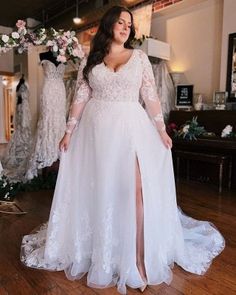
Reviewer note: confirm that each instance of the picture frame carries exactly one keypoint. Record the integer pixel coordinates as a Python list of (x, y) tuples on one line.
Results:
[(231, 69), (220, 99), (184, 96)]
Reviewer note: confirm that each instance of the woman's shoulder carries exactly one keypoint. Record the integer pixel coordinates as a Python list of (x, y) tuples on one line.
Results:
[(142, 56), (140, 52)]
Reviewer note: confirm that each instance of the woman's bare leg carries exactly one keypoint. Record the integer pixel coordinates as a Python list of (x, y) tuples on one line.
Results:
[(140, 225)]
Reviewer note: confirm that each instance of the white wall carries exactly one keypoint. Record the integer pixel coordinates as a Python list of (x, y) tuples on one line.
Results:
[(6, 59), (229, 26), (194, 30)]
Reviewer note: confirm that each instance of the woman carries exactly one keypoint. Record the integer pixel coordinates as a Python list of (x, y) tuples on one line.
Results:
[(114, 213)]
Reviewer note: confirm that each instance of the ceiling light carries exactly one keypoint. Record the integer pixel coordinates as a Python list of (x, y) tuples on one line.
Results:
[(77, 19)]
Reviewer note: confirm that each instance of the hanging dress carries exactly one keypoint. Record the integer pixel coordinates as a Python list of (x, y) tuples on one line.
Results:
[(17, 152)]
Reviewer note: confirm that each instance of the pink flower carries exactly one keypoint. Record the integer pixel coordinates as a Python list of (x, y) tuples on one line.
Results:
[(77, 53), (61, 58), (49, 43), (172, 126), (20, 24), (75, 40), (67, 34)]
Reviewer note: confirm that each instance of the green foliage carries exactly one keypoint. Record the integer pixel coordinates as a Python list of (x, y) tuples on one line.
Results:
[(9, 190), (139, 42), (190, 130)]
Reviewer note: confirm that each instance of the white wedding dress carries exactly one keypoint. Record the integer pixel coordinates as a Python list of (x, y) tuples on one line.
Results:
[(17, 152), (92, 224), (52, 119)]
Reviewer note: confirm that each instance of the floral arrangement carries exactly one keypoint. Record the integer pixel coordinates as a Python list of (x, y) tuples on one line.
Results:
[(228, 132), (7, 189), (139, 41), (189, 130), (64, 44)]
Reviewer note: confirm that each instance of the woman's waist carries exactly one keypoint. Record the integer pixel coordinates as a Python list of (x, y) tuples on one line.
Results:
[(115, 99)]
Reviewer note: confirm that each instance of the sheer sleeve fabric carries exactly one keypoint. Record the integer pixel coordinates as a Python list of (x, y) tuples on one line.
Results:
[(149, 94), (81, 97)]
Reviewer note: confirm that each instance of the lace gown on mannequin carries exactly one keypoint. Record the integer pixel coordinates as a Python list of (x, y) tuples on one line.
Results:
[(18, 149), (92, 224), (52, 119)]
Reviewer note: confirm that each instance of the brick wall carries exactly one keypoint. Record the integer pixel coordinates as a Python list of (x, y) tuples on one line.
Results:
[(159, 4)]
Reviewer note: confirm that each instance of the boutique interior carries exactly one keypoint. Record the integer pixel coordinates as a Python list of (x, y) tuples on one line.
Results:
[(192, 48)]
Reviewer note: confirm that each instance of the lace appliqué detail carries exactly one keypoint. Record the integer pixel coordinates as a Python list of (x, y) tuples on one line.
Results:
[(72, 121), (149, 94), (81, 97)]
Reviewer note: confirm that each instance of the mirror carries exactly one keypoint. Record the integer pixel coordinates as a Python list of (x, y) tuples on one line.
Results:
[(231, 69)]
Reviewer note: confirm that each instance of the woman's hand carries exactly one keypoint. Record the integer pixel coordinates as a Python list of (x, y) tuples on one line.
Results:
[(64, 143), (166, 139)]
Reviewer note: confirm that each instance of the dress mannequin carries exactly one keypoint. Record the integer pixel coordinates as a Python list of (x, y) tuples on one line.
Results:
[(19, 97), (48, 55)]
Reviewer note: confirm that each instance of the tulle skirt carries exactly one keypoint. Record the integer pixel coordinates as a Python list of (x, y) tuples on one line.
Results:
[(92, 224)]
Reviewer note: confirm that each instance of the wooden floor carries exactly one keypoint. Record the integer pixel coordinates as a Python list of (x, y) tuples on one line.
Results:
[(197, 200)]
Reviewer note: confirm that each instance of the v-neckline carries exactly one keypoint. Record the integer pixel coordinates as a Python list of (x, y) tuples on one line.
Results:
[(121, 66)]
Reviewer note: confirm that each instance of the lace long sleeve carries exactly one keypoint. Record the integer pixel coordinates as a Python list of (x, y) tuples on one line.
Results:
[(81, 97), (149, 95)]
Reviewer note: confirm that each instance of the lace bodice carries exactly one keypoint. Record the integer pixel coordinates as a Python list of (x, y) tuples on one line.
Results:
[(51, 71), (132, 80)]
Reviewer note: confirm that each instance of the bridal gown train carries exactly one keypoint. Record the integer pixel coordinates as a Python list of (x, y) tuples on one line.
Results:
[(92, 224)]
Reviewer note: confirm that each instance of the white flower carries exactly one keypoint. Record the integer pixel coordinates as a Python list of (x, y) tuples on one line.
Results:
[(226, 131), (22, 31), (67, 34), (50, 43), (54, 32), (61, 58), (3, 49), (69, 49), (6, 195), (5, 38), (62, 51), (38, 42), (43, 37), (186, 128), (15, 35), (55, 48), (20, 50), (77, 53), (69, 40)]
